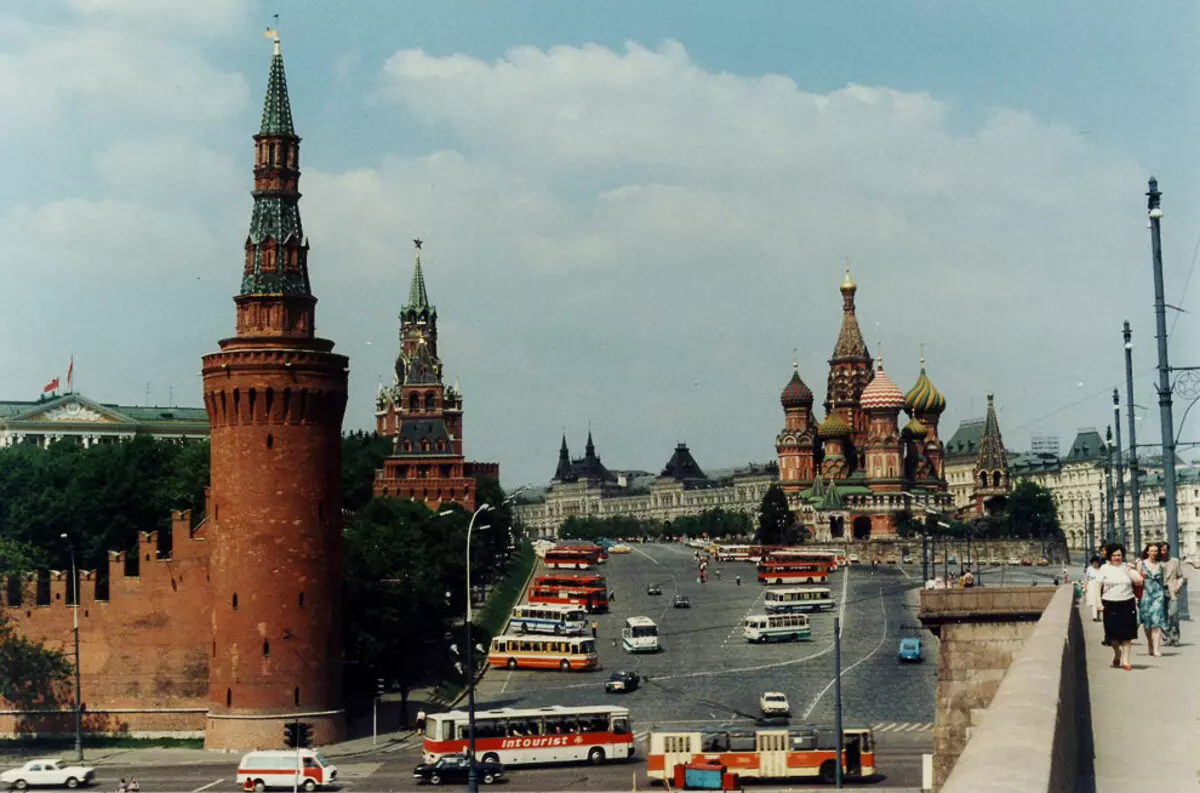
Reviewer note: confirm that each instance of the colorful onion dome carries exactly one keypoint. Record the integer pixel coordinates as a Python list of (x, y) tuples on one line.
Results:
[(924, 398), (881, 393), (833, 427), (918, 429), (796, 394)]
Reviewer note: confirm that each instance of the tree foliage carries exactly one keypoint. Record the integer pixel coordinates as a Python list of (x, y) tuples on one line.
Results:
[(1032, 513), (773, 517), (363, 454), (713, 523)]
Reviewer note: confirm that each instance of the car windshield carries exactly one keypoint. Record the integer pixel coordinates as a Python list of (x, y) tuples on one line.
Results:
[(320, 759)]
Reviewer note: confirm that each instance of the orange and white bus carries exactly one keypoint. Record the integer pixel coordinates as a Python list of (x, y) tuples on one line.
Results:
[(572, 558), (590, 598), (827, 558), (792, 573), (527, 736), (744, 553), (566, 653), (784, 753)]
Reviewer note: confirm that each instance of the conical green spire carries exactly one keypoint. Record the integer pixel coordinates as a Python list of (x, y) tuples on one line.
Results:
[(418, 298), (277, 110)]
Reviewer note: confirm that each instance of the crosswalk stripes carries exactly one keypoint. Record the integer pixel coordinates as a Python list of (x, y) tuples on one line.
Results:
[(902, 726)]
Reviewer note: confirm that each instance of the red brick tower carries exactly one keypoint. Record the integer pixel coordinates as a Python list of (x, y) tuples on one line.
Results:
[(881, 401), (275, 396), (794, 444), (849, 372)]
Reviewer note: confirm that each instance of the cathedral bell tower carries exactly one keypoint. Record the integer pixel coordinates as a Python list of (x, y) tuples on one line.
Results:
[(275, 395), (849, 373)]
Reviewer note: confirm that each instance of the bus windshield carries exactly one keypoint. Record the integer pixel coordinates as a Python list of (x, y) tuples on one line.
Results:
[(644, 630)]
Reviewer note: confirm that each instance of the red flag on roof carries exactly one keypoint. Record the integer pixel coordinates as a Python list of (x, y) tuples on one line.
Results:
[(51, 386), (70, 371)]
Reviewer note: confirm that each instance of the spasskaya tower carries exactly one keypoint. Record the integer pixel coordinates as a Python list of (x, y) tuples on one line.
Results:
[(275, 396)]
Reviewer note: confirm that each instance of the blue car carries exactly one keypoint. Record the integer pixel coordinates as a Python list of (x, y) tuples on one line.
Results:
[(910, 650)]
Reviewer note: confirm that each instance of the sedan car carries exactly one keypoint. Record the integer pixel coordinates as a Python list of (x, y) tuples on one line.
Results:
[(622, 682), (682, 602), (48, 773), (456, 768), (653, 589), (774, 703), (620, 548), (910, 650)]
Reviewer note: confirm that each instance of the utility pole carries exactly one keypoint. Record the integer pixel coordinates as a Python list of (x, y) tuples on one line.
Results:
[(1110, 527), (837, 699), (1153, 206), (1091, 532), (1120, 468), (75, 615), (1134, 484)]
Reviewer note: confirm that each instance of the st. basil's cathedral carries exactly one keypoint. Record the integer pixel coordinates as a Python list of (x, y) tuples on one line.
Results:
[(850, 475)]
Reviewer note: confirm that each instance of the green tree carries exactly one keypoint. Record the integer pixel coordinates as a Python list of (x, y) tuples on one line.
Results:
[(363, 454), (1032, 513), (773, 517)]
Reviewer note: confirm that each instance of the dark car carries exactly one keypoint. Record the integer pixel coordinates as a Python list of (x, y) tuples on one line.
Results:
[(653, 589), (455, 768), (682, 602), (622, 682)]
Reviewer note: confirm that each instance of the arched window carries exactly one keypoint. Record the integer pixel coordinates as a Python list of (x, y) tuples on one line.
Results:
[(266, 648), (429, 401), (996, 479), (229, 697), (301, 600), (414, 402), (295, 696), (235, 600), (983, 479)]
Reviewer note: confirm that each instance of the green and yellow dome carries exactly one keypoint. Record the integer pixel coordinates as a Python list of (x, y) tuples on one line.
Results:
[(924, 398), (833, 427)]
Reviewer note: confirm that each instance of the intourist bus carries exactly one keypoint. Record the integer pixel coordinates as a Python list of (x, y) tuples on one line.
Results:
[(640, 635), (827, 558), (591, 599), (791, 753), (525, 736), (572, 579), (572, 558), (776, 628), (557, 618), (565, 653), (744, 553), (792, 573), (801, 598)]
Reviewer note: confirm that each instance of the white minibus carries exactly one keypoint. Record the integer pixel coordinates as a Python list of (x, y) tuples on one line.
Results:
[(640, 635), (302, 768), (776, 627), (800, 598), (558, 618)]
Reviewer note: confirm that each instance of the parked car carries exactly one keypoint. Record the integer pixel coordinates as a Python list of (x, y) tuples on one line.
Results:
[(910, 650), (853, 558), (1014, 561), (455, 768), (1043, 562), (682, 602), (1026, 562), (621, 682), (50, 772), (620, 548), (653, 589), (774, 703)]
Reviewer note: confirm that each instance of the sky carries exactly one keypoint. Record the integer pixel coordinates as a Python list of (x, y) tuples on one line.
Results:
[(636, 215)]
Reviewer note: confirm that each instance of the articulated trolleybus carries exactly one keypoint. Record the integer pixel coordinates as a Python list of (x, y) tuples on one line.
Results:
[(784, 753), (528, 736)]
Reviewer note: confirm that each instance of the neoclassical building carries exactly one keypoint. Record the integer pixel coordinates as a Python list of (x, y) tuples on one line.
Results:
[(851, 474), (75, 418)]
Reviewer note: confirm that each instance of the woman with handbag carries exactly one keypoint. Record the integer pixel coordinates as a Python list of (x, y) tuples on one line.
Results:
[(1153, 602), (1117, 580)]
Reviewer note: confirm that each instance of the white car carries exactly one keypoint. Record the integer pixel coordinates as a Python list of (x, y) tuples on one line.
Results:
[(50, 772), (853, 558), (774, 703)]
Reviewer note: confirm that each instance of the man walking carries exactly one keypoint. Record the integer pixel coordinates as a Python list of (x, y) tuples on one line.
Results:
[(1172, 584)]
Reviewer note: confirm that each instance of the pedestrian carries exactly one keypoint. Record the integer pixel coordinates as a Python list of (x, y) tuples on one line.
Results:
[(421, 720), (595, 628), (133, 786), (1173, 583), (717, 573), (612, 596), (123, 786), (1153, 606), (1092, 588), (968, 578), (1117, 579), (739, 580)]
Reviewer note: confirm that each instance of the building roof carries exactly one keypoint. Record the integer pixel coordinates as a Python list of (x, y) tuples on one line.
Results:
[(418, 298), (277, 110), (833, 427), (881, 393), (923, 397), (589, 468), (796, 394), (418, 430), (991, 445), (965, 440), (850, 345), (682, 466), (1088, 445), (78, 411), (917, 428)]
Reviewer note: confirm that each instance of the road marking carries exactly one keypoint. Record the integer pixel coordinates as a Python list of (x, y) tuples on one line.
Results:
[(902, 570), (210, 784), (508, 678), (842, 607), (643, 553), (902, 726), (736, 632), (850, 668)]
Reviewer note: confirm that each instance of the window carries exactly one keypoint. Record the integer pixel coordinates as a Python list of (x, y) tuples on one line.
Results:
[(266, 648), (301, 600), (214, 648), (295, 696), (270, 441), (235, 600), (229, 697)]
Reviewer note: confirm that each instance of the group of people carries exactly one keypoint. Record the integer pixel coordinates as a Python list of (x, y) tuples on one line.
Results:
[(1126, 593), (128, 786)]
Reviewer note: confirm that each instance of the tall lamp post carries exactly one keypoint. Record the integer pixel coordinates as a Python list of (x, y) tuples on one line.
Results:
[(472, 776), (1110, 526), (1120, 468), (1134, 484), (75, 611)]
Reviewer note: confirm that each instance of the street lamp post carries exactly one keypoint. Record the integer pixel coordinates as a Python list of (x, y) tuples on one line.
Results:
[(1110, 525), (1120, 467), (472, 776), (75, 611), (1134, 484)]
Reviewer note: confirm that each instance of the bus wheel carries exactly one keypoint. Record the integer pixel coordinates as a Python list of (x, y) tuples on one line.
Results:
[(795, 636), (778, 580), (596, 756), (828, 772), (310, 785), (512, 663), (259, 785), (564, 665), (491, 757)]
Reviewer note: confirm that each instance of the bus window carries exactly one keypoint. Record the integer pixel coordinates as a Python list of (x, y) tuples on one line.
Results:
[(741, 742), (447, 730), (715, 742), (620, 725)]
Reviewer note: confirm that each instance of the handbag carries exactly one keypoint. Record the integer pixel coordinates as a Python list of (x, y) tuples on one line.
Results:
[(1139, 583)]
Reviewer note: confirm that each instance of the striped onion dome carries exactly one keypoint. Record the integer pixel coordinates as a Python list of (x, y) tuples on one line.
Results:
[(918, 429), (796, 394), (833, 427), (924, 398), (881, 393)]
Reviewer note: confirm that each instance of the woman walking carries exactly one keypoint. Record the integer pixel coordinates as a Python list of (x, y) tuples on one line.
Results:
[(1173, 581), (1120, 610), (1092, 588), (1153, 603)]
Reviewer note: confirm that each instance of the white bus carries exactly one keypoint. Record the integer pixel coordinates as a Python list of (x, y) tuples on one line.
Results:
[(776, 628), (524, 736), (640, 635), (557, 618), (798, 598)]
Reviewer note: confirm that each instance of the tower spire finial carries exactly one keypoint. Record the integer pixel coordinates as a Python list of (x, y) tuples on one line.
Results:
[(273, 33), (922, 357), (418, 297)]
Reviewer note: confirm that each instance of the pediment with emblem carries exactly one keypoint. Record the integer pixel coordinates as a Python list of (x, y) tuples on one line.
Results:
[(71, 409)]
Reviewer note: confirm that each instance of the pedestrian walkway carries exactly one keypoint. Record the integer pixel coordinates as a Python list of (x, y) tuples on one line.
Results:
[(1146, 722)]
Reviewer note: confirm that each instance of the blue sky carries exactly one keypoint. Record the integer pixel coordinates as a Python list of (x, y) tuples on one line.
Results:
[(636, 213)]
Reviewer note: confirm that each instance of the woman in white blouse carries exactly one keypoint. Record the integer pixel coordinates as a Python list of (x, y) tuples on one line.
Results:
[(1092, 588), (1120, 608)]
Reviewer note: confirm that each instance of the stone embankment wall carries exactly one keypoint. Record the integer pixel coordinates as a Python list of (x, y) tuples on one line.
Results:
[(1001, 550)]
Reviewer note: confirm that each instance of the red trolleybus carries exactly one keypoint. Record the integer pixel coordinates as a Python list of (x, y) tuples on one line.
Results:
[(572, 558), (827, 558), (528, 736), (571, 579), (792, 573), (593, 599), (784, 753)]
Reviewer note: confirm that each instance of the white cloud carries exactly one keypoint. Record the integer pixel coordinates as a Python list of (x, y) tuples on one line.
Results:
[(207, 16)]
